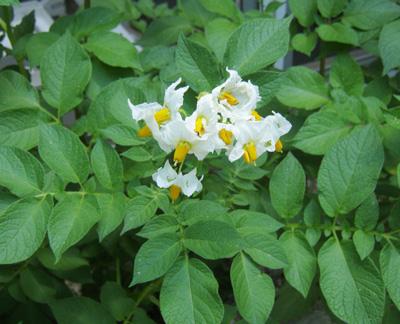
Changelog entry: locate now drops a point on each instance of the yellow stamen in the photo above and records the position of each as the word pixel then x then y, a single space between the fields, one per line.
pixel 229 97
pixel 279 146
pixel 256 115
pixel 181 150
pixel 144 131
pixel 250 153
pixel 199 127
pixel 226 136
pixel 162 115
pixel 174 192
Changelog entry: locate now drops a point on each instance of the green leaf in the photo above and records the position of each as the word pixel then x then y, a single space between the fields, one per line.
pixel 80 310
pixel 265 250
pixel 212 239
pixel 201 210
pixel 8 2
pixel 301 259
pixel 122 135
pixel 389 46
pixel 189 294
pixel 353 289
pixel 390 264
pixel 93 20
pixel 37 285
pixel 268 83
pixel 304 11
pixel 158 226
pixel 65 72
pixel 370 14
pixel 251 222
pixel 165 31
pixel 287 187
pixel 107 166
pixel 116 300
pixel 63 151
pixel 138 154
pixel 367 214
pixel 331 8
pixel 320 132
pixel 303 88
pixel 217 33
pixel 70 260
pixel 139 210
pixel 20 128
pixel 70 221
pixel 156 57
pixel 349 171
pixel 199 68
pixel 195 12
pixel 254 291
pixel 364 243
pixel 23 227
pixel 249 48
pixel 20 171
pixel 225 8
pixel 110 106
pixel 398 175
pixel 112 211
pixel 6 199
pixel 113 49
pixel 155 257
pixel 305 43
pixel 347 75
pixel 338 32
pixel 16 92
pixel 37 46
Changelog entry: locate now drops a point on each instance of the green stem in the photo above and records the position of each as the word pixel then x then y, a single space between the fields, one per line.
pixel 86 4
pixel 10 34
pixel 334 228
pixel 322 62
pixel 145 292
pixel 118 271
pixel 49 114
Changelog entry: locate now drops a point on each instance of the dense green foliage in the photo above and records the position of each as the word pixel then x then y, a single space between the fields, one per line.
pixel 312 233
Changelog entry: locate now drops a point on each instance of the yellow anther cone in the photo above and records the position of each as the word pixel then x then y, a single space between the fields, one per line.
pixel 181 150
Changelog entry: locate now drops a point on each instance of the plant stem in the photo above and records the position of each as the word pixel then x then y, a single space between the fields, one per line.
pixel 322 62
pixel 118 271
pixel 334 228
pixel 49 114
pixel 11 37
pixel 145 292
pixel 86 4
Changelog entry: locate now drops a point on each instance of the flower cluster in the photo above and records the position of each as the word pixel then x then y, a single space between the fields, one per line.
pixel 224 120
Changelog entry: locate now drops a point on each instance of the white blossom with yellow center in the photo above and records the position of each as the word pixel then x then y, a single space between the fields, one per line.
pixel 167 177
pixel 253 138
pixel 155 115
pixel 204 119
pixel 236 99
pixel 178 136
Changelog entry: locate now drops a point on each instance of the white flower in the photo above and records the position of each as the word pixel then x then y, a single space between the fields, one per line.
pixel 155 114
pixel 204 119
pixel 176 135
pixel 167 177
pixel 280 123
pixel 253 138
pixel 236 99
pixel 225 136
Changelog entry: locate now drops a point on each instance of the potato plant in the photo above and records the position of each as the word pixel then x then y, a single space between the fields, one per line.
pixel 184 179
